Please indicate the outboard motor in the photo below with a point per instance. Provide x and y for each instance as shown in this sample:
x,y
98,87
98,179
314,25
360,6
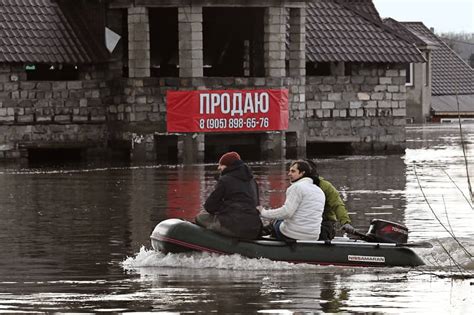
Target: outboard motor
x,y
387,232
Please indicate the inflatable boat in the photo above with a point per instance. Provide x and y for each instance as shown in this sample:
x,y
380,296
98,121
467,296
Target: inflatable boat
x,y
177,236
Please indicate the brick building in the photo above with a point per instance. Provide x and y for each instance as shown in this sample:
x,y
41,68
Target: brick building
x,y
60,88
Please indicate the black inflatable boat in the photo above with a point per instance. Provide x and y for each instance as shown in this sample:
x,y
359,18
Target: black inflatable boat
x,y
176,236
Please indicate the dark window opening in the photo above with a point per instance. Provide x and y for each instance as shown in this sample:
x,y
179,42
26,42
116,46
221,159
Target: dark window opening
x,y
318,68
48,72
427,69
409,74
164,42
291,145
166,149
348,68
54,157
124,43
233,42
247,145
319,149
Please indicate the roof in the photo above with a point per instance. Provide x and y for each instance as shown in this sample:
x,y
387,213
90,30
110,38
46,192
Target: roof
x,y
37,31
366,7
337,30
449,103
450,74
401,30
349,31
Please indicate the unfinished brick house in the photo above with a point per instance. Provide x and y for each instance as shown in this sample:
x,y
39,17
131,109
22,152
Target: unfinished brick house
x,y
95,76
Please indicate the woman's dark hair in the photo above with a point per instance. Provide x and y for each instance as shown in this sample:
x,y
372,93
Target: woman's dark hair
x,y
309,171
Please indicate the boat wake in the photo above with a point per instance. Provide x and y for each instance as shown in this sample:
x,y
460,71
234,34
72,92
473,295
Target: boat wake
x,y
447,253
198,260
147,259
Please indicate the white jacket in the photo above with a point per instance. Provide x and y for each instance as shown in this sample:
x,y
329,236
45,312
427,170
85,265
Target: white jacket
x,y
302,212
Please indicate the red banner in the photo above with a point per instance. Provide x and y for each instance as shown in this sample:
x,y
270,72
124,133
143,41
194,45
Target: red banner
x,y
227,110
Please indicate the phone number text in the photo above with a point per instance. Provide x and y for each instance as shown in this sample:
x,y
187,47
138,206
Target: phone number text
x,y
233,123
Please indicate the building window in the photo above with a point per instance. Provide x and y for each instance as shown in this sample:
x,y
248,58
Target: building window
x,y
233,42
427,69
348,69
164,42
47,72
318,69
409,75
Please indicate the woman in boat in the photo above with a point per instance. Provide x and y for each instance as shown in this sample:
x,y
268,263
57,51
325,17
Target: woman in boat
x,y
230,208
334,208
301,215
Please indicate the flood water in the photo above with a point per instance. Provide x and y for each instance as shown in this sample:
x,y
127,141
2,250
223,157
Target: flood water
x,y
76,239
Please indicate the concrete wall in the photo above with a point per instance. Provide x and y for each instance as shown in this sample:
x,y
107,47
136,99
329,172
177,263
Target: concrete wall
x,y
366,109
37,113
419,93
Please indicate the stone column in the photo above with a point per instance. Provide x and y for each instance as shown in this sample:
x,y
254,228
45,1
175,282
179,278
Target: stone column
x,y
274,59
190,41
138,42
190,146
273,146
297,42
297,73
274,41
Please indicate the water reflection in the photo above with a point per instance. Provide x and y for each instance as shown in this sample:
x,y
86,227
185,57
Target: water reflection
x,y
66,234
226,291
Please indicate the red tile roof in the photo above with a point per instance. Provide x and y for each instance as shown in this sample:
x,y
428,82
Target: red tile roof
x,y
36,31
450,74
351,31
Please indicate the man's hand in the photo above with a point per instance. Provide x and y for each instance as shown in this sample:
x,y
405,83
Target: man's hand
x,y
348,228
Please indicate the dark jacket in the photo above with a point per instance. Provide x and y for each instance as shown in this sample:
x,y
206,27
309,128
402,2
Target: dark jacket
x,y
234,201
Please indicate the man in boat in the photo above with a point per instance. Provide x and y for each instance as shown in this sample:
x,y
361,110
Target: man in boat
x,y
334,208
301,215
230,208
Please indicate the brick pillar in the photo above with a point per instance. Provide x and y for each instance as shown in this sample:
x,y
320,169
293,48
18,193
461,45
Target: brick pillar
x,y
274,41
273,146
274,46
190,146
138,42
190,41
297,43
297,72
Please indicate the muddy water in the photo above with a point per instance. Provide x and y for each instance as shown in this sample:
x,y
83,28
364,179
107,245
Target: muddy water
x,y
77,238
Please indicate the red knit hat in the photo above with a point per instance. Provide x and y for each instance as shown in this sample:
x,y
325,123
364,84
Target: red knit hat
x,y
229,158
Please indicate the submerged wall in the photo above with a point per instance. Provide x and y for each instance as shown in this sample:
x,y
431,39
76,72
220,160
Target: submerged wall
x,y
36,114
366,109
103,109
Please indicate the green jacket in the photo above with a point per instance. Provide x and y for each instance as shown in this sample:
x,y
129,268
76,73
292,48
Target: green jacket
x,y
334,208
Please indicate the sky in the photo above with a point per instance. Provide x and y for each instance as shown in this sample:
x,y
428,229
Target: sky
x,y
444,15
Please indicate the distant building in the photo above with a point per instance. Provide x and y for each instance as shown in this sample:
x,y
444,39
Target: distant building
x,y
418,75
447,82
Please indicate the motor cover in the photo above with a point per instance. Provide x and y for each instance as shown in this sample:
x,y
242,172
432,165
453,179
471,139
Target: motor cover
x,y
387,232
